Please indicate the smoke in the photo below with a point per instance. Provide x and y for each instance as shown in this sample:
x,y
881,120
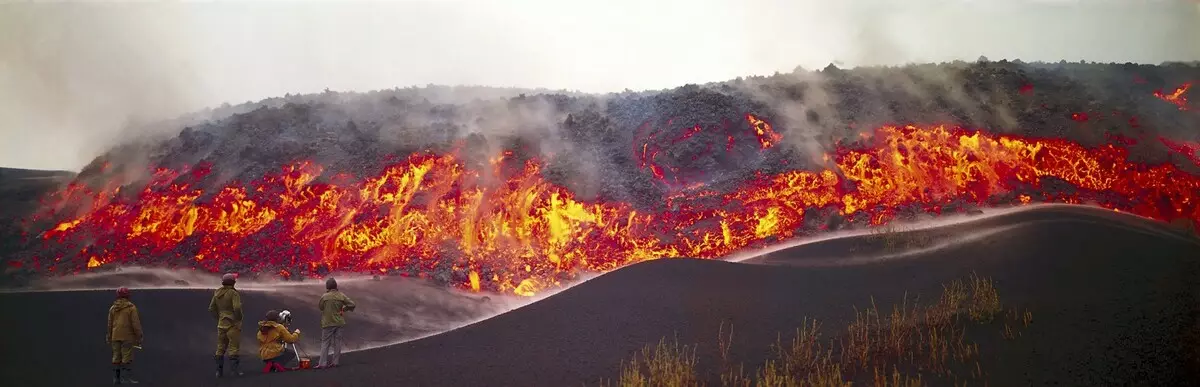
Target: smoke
x,y
399,309
77,78
76,82
391,310
895,33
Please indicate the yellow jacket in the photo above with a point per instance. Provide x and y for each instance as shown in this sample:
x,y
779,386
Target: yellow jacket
x,y
271,337
124,324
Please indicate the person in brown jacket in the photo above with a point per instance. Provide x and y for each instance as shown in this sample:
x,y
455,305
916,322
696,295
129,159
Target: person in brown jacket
x,y
273,339
226,308
124,333
333,306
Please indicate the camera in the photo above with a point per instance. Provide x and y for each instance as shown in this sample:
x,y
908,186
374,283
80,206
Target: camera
x,y
285,317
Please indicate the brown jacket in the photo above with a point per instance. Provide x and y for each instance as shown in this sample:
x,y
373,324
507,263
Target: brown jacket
x,y
226,307
333,305
124,324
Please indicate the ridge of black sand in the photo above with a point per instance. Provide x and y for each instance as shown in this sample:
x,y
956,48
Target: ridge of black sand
x,y
902,241
1110,306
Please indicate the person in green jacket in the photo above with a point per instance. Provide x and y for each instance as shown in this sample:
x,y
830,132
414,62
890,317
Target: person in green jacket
x,y
333,305
226,308
124,333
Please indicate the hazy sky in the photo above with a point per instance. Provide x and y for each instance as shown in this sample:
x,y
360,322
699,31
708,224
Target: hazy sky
x,y
72,75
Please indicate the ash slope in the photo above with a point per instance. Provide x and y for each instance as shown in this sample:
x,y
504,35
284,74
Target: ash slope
x,y
57,329
20,190
1111,306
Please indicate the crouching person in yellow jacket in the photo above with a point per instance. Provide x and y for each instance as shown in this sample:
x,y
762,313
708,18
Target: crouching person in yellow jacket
x,y
273,338
124,333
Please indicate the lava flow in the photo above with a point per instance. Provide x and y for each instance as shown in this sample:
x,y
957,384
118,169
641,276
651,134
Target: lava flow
x,y
1178,97
649,143
431,216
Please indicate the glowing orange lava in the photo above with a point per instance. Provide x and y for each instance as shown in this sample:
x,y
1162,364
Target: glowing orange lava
x,y
430,216
1178,97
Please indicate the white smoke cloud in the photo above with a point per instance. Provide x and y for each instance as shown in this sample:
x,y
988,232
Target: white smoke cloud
x,y
75,76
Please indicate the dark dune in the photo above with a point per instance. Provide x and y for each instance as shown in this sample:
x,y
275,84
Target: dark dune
x,y
1112,306
994,229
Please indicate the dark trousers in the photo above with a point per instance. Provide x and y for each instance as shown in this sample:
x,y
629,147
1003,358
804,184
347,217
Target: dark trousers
x,y
286,358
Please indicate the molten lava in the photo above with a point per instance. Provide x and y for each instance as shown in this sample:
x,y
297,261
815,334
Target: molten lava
x,y
431,216
1178,97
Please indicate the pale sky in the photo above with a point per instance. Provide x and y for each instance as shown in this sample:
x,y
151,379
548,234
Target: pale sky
x,y
72,75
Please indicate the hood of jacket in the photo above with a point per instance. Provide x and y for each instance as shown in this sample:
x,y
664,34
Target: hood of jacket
x,y
266,326
121,303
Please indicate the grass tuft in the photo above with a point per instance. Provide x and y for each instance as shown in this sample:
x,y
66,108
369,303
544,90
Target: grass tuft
x,y
662,365
895,238
985,300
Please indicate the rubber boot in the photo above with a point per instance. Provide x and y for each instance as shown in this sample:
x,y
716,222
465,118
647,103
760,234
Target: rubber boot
x,y
116,375
235,365
220,361
127,375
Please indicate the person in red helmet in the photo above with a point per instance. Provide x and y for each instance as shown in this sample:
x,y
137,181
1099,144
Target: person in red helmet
x,y
226,308
124,333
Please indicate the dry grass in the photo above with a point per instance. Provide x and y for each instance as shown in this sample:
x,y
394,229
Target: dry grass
x,y
896,379
899,238
900,348
662,365
985,300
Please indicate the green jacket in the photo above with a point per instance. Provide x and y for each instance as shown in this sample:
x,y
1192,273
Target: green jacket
x,y
332,305
226,307
124,323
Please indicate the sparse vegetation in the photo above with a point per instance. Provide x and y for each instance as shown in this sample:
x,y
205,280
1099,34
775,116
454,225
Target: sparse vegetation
x,y
910,346
897,238
986,301
665,364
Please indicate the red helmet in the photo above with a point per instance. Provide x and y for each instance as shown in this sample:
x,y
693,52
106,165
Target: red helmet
x,y
122,292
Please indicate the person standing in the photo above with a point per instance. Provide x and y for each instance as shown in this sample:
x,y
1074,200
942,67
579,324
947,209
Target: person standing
x,y
333,305
226,308
124,333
